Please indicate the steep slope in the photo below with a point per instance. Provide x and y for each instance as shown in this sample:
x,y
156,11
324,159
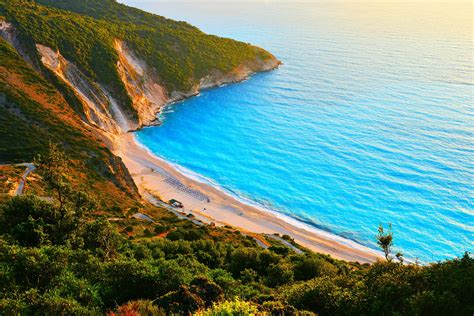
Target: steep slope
x,y
103,49
33,113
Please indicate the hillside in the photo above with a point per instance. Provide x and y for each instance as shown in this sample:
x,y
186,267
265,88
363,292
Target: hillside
x,y
33,113
101,75
123,52
74,75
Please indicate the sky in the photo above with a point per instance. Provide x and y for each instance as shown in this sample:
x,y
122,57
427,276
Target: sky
x,y
367,1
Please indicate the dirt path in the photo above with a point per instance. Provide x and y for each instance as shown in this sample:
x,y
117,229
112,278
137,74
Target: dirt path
x,y
285,242
29,168
21,186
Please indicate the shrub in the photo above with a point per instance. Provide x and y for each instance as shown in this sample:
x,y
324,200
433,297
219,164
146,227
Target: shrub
x,y
229,308
307,267
160,229
138,307
278,274
182,301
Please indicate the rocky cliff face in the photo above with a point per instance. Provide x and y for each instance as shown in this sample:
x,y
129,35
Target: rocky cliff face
x,y
149,96
142,83
100,109
217,78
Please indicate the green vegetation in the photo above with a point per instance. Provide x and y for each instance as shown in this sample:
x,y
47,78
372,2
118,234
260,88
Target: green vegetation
x,y
33,113
85,31
234,307
37,107
59,257
385,241
74,247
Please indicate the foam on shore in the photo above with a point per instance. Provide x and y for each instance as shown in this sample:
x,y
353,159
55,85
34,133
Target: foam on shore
x,y
228,208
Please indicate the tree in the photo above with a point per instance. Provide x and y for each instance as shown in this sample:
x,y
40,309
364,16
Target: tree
x,y
279,273
385,241
309,266
207,289
53,167
33,222
101,237
244,258
55,171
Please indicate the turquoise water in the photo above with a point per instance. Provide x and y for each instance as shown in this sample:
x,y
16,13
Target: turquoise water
x,y
369,120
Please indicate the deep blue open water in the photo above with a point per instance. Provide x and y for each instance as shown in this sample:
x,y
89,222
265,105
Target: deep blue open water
x,y
368,121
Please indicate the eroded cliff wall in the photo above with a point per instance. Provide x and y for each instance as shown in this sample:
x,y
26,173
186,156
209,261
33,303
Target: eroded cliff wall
x,y
142,83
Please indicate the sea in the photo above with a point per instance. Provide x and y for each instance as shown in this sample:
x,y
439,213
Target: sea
x,y
368,121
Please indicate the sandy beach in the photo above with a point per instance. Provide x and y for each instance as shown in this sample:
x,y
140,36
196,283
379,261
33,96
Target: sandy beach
x,y
155,176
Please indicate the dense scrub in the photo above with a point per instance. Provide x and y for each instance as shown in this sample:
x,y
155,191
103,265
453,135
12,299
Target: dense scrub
x,y
58,257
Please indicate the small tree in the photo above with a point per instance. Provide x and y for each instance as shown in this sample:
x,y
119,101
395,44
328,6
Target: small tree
x,y
55,171
101,237
385,241
399,256
54,168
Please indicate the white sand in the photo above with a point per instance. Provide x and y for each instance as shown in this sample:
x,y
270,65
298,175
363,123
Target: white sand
x,y
152,175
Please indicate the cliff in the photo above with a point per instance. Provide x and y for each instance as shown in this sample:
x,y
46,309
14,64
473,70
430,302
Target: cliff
x,y
123,68
33,113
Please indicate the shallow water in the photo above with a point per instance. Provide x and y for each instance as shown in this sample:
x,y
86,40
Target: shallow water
x,y
369,120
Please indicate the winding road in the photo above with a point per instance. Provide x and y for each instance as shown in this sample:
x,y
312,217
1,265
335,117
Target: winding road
x,y
29,168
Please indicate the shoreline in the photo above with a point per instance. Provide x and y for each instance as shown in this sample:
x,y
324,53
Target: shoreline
x,y
158,178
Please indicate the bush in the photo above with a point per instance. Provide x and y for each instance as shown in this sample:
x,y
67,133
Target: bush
x,y
33,221
307,267
181,301
208,290
138,307
248,276
186,234
281,250
278,308
278,274
159,229
100,237
322,295
229,308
